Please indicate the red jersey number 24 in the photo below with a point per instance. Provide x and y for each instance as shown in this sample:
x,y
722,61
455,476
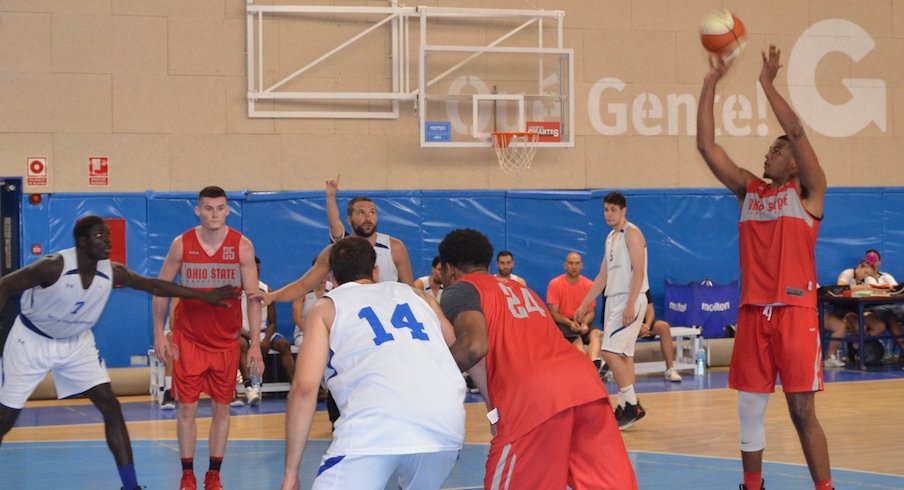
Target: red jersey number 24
x,y
521,307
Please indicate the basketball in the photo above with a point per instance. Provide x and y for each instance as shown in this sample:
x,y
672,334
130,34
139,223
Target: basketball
x,y
723,34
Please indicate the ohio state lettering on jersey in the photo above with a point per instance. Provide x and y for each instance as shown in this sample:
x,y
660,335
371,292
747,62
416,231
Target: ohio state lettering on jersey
x,y
777,242
204,276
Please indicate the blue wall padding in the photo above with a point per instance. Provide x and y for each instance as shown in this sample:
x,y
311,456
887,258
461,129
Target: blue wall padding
x,y
892,239
847,228
444,211
691,235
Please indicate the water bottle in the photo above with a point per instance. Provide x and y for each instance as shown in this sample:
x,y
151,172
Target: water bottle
x,y
700,367
255,376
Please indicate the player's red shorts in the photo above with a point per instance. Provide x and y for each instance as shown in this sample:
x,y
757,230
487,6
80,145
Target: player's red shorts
x,y
199,370
786,343
580,447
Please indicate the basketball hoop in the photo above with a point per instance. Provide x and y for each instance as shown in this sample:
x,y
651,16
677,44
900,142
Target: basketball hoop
x,y
515,150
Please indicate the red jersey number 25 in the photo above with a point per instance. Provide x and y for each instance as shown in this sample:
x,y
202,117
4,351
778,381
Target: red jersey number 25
x,y
521,307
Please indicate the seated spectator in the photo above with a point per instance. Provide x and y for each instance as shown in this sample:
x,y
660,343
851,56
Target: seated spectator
x,y
651,328
505,264
563,296
432,284
301,306
168,402
889,314
300,309
842,319
270,339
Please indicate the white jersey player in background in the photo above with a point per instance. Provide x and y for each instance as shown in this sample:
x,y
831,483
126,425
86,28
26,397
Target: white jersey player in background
x,y
623,277
392,255
383,350
63,296
432,284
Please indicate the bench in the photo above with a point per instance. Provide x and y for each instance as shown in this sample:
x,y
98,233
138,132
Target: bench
x,y
687,342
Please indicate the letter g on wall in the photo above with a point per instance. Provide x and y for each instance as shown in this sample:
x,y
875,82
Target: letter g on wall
x,y
868,96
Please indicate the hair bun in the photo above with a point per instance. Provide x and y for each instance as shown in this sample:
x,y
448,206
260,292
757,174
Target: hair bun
x,y
872,258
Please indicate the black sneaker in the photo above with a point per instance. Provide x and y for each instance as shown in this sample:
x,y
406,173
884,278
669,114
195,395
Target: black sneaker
x,y
603,372
618,412
472,388
168,403
762,486
630,415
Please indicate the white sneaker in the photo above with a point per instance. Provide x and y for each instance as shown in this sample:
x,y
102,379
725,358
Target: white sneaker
x,y
168,402
236,401
833,362
252,396
672,375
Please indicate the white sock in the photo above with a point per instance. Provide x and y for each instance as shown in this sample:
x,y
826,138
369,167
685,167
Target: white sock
x,y
167,382
627,395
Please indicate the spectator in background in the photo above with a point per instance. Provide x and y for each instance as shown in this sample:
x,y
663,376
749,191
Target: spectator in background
x,y
864,276
888,314
563,296
302,305
432,284
300,309
270,338
505,264
652,327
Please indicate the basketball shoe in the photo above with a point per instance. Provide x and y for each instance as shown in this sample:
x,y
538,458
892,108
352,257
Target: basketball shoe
x,y
630,415
168,403
212,481
188,481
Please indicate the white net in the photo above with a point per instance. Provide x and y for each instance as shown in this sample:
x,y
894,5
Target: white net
x,y
515,151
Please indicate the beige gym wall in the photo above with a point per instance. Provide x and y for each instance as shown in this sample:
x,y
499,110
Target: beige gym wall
x,y
158,87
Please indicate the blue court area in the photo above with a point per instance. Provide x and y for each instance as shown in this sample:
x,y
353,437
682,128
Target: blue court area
x,y
257,464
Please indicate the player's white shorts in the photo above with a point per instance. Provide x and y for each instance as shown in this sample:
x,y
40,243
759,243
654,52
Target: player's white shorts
x,y
618,337
420,471
28,357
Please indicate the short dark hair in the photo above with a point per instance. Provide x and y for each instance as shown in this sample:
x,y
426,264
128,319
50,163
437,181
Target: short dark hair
x,y
466,248
84,224
211,191
784,138
616,198
351,259
504,253
436,260
872,250
351,204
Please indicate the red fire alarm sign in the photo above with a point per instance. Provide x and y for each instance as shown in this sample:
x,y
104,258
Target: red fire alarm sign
x,y
98,171
37,171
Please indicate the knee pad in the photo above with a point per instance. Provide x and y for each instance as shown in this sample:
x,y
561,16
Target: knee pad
x,y
751,411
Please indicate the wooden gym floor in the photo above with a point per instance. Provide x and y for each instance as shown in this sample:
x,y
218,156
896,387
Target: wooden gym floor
x,y
688,440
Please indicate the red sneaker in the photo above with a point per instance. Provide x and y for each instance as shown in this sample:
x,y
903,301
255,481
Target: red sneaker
x,y
212,481
188,481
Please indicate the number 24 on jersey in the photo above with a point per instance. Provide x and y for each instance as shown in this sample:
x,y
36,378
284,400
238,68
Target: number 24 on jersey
x,y
521,308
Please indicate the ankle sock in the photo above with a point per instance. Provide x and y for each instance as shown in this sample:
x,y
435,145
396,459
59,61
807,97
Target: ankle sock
x,y
753,480
127,475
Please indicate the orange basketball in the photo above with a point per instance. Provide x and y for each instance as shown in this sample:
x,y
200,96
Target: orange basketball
x,y
723,34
